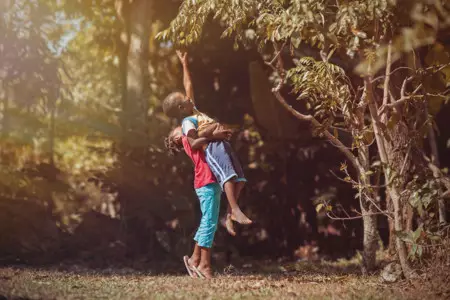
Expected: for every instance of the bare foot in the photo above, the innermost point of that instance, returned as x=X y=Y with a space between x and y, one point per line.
x=206 y=271
x=238 y=216
x=229 y=225
x=193 y=262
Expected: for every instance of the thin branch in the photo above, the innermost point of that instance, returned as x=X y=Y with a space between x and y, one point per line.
x=402 y=100
x=388 y=76
x=356 y=217
x=395 y=70
x=343 y=180
x=437 y=173
x=405 y=82
x=440 y=68
x=376 y=205
x=278 y=54
x=405 y=161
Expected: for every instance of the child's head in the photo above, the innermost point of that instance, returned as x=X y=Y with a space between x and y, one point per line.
x=178 y=105
x=174 y=142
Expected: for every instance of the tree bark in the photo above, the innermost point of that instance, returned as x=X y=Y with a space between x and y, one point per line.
x=9 y=93
x=435 y=161
x=368 y=210
x=392 y=189
x=390 y=207
x=134 y=59
x=52 y=131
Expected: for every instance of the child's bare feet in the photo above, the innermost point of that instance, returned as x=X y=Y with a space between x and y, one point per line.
x=238 y=216
x=205 y=271
x=229 y=225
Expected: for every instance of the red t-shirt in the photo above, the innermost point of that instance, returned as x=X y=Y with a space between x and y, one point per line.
x=202 y=173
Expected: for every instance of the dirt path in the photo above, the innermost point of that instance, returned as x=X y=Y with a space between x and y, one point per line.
x=298 y=282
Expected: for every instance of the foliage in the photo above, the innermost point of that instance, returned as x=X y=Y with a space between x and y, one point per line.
x=329 y=101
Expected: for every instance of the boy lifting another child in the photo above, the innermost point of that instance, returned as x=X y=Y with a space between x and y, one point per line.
x=205 y=142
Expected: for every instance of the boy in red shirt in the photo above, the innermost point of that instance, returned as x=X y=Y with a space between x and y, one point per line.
x=208 y=192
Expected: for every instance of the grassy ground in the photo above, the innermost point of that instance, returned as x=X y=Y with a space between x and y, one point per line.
x=261 y=281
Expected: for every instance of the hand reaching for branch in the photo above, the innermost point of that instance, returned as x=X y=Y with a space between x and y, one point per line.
x=182 y=56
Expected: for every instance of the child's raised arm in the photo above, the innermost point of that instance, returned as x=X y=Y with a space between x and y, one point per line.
x=187 y=81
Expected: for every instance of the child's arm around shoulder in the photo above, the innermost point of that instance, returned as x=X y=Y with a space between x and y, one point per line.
x=215 y=127
x=197 y=143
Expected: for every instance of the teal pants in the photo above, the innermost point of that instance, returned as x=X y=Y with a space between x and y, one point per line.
x=209 y=197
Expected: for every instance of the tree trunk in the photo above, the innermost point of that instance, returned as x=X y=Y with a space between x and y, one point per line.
x=390 y=207
x=435 y=160
x=368 y=210
x=5 y=113
x=51 y=132
x=134 y=56
x=392 y=189
x=138 y=85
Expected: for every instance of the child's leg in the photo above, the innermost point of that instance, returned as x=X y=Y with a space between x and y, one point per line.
x=209 y=197
x=194 y=260
x=219 y=157
x=228 y=220
x=205 y=263
x=232 y=189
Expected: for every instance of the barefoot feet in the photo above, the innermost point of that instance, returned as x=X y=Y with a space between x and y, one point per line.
x=238 y=216
x=206 y=271
x=229 y=225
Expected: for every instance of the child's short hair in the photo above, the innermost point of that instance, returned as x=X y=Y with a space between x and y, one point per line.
x=172 y=147
x=171 y=103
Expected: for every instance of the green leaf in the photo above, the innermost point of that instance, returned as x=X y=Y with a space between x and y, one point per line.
x=319 y=207
x=335 y=133
x=417 y=233
x=419 y=251
x=412 y=252
x=404 y=236
x=296 y=42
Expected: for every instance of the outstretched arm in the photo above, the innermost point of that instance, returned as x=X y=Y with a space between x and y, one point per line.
x=187 y=81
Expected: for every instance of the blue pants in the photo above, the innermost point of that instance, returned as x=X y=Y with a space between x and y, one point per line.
x=223 y=162
x=209 y=197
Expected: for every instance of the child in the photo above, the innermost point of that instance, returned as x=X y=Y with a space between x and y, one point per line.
x=208 y=192
x=220 y=156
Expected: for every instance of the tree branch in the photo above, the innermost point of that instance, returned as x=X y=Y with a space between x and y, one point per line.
x=356 y=217
x=278 y=54
x=317 y=124
x=400 y=101
x=331 y=138
x=388 y=76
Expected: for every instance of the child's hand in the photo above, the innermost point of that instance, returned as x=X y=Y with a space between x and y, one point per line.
x=221 y=134
x=182 y=56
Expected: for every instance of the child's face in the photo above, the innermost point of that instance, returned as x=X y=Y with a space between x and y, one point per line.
x=186 y=106
x=177 y=136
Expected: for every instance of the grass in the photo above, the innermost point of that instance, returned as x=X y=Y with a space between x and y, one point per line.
x=305 y=280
